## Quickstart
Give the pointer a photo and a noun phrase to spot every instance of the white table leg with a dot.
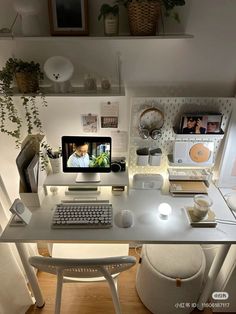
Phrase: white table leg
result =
(212, 275)
(33, 281)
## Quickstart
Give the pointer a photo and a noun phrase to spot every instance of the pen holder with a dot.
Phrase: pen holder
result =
(56, 164)
(155, 157)
(142, 156)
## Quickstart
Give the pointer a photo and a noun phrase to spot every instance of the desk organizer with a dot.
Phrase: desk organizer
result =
(147, 181)
(173, 108)
(34, 199)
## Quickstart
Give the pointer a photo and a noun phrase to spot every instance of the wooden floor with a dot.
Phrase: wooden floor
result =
(93, 298)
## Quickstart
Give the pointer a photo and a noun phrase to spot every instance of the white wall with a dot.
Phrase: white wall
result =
(202, 66)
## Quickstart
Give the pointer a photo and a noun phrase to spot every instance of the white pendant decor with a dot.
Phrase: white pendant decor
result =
(59, 70)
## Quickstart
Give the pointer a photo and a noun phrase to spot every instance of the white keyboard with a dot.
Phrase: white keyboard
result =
(83, 215)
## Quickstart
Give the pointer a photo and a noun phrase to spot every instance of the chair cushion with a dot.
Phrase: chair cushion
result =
(175, 261)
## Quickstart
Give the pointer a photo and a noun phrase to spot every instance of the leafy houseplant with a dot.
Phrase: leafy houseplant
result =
(143, 14)
(100, 161)
(110, 16)
(27, 76)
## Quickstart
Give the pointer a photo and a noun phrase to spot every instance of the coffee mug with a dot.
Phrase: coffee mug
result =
(202, 204)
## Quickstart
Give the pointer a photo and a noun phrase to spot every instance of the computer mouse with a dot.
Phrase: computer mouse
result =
(126, 218)
(231, 201)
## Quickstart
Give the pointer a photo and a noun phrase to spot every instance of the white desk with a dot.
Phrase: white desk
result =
(148, 228)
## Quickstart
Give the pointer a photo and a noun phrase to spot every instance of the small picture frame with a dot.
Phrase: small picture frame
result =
(68, 17)
(214, 124)
(89, 123)
(201, 123)
(109, 122)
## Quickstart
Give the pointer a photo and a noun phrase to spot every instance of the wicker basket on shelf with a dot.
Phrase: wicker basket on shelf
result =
(27, 82)
(143, 17)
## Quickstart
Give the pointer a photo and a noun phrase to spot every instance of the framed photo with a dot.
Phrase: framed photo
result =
(109, 122)
(201, 123)
(68, 17)
(89, 123)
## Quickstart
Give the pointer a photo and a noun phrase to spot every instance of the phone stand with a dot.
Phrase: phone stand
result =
(16, 221)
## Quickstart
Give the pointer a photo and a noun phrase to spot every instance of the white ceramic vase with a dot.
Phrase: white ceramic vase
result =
(28, 11)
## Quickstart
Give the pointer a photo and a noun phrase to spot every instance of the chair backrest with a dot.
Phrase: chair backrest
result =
(83, 268)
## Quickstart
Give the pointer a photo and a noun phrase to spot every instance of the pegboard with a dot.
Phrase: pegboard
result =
(173, 109)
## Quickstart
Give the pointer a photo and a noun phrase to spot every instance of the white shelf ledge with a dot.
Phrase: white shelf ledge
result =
(76, 91)
(205, 137)
(95, 37)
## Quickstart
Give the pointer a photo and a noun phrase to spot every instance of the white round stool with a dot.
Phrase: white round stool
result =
(169, 277)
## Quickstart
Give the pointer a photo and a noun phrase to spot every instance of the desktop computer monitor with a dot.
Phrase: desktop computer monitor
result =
(86, 155)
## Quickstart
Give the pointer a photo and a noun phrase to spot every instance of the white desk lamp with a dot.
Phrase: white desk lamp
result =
(59, 70)
(28, 11)
(164, 211)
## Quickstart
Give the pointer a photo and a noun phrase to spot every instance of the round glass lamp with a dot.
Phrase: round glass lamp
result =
(59, 70)
(164, 210)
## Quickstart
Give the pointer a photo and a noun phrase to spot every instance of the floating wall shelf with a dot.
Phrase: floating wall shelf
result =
(76, 92)
(121, 37)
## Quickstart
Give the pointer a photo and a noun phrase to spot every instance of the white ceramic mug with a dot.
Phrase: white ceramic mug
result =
(202, 204)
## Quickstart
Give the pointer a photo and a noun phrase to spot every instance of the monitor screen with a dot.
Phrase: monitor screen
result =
(86, 154)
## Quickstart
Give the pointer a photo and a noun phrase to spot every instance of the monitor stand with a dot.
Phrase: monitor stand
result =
(88, 177)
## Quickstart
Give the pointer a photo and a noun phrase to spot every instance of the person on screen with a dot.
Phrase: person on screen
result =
(194, 126)
(80, 157)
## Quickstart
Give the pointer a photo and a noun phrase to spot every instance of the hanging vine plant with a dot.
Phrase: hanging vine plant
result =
(27, 76)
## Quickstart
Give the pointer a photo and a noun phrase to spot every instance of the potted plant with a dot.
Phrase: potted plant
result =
(143, 14)
(100, 161)
(27, 76)
(110, 16)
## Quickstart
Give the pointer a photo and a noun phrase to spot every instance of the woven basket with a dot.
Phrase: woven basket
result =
(27, 82)
(143, 17)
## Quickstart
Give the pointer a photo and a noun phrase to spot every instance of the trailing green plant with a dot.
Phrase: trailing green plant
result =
(168, 5)
(106, 9)
(100, 161)
(8, 110)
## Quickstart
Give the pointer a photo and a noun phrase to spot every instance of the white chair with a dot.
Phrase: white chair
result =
(69, 269)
